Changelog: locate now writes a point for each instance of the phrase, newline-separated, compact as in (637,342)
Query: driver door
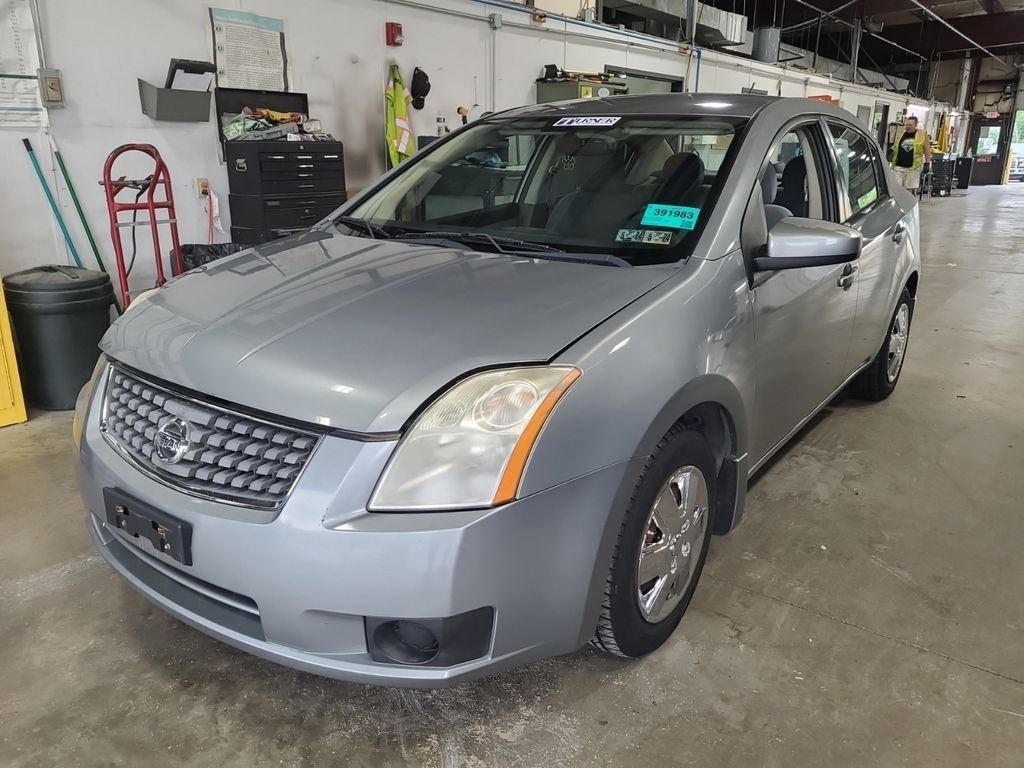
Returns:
(803,318)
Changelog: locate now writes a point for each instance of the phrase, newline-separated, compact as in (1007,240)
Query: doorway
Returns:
(990,139)
(1017,148)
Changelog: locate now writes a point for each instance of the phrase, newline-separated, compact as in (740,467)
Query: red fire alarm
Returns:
(393,33)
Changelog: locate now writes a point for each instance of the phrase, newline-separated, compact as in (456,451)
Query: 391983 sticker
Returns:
(675,216)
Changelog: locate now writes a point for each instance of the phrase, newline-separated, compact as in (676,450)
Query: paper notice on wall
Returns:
(19,59)
(249,50)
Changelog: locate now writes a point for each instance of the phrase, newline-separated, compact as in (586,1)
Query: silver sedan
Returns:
(495,407)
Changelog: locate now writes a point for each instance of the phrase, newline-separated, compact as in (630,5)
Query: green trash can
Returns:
(59,315)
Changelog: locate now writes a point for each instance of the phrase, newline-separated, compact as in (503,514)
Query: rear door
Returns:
(866,205)
(803,318)
(989,143)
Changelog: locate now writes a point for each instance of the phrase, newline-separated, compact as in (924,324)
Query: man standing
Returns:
(909,154)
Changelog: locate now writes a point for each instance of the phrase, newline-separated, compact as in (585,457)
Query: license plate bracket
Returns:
(167,534)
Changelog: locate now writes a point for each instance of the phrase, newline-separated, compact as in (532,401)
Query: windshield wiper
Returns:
(373,231)
(601,259)
(500,244)
(512,247)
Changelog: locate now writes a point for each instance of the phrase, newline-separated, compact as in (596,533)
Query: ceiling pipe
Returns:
(691,21)
(945,23)
(831,15)
(812,22)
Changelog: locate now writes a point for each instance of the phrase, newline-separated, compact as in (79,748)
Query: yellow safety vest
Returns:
(397,129)
(920,137)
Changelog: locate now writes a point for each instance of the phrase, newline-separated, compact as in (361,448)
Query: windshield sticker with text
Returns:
(675,216)
(867,198)
(645,236)
(586,122)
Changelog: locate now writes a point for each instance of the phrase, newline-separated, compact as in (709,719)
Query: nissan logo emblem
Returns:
(172,441)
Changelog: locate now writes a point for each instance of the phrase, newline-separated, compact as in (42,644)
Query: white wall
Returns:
(337,54)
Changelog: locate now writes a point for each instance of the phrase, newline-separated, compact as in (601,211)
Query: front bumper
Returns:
(297,587)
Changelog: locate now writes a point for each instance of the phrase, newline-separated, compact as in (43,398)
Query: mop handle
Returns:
(78,205)
(53,203)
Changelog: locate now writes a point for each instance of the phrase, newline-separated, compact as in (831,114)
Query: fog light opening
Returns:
(406,642)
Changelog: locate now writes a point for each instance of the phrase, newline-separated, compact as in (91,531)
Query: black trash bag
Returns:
(196,254)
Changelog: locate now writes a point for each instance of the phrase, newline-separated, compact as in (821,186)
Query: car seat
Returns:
(577,164)
(682,180)
(773,214)
(599,204)
(793,194)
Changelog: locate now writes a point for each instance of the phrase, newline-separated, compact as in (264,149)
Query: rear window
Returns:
(638,188)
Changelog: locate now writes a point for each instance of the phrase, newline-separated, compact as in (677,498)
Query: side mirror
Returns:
(795,243)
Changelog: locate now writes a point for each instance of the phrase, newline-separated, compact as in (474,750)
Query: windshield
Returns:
(635,188)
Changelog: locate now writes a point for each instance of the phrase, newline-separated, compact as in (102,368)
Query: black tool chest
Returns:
(279,187)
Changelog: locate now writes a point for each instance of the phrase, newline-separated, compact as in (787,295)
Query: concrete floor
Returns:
(867,612)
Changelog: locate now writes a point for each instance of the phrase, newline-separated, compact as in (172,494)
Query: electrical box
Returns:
(12,404)
(51,88)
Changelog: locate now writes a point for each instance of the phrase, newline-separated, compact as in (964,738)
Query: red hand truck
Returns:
(146,187)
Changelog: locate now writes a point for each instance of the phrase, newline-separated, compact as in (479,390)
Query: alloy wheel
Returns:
(898,336)
(673,543)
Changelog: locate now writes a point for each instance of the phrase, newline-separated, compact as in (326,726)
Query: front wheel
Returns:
(661,549)
(879,379)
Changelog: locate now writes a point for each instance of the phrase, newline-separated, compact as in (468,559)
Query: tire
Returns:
(633,620)
(879,379)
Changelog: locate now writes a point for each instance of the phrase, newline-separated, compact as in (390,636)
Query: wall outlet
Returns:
(202,187)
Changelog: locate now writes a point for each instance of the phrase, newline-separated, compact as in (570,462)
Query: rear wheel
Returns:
(661,549)
(879,379)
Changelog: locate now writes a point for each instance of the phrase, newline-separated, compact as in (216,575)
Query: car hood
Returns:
(356,334)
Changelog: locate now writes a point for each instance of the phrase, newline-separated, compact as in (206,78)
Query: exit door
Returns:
(989,143)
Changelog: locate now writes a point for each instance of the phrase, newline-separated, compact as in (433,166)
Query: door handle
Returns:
(846,279)
(899,232)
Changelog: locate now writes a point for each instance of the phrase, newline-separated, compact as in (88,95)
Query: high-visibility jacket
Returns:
(920,138)
(397,129)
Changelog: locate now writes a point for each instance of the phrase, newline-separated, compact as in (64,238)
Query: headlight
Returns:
(469,448)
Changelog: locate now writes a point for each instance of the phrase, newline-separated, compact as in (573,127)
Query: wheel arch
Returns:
(911,284)
(713,406)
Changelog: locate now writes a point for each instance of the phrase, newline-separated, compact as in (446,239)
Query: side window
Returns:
(790,184)
(791,180)
(859,167)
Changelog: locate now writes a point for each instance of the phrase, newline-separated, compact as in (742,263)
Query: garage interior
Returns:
(867,610)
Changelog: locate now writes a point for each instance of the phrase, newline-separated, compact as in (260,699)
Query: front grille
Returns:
(227,456)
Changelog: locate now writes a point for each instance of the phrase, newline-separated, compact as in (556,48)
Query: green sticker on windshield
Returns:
(674,216)
(867,199)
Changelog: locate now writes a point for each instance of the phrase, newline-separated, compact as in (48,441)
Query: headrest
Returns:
(568,144)
(683,170)
(795,170)
(595,147)
(769,184)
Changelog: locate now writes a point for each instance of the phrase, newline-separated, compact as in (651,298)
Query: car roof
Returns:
(697,104)
(733,105)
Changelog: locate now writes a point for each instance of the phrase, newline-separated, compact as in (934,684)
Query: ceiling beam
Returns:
(989,31)
(887,7)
